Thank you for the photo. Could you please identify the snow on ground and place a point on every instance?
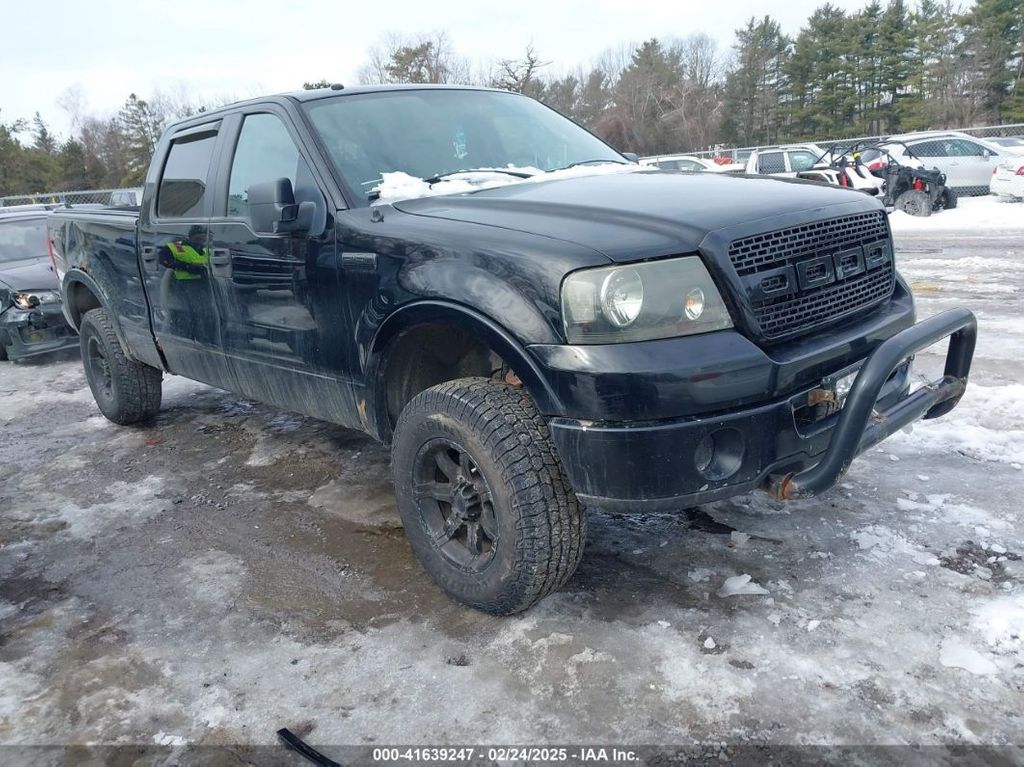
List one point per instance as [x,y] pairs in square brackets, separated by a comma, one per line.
[977,215]
[230,569]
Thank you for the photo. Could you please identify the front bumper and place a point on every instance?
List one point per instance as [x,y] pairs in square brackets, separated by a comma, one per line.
[27,333]
[674,463]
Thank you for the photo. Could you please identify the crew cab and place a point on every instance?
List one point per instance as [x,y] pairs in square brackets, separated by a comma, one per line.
[532,322]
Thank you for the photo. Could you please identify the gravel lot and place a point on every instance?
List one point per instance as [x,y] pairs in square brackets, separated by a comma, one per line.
[233,569]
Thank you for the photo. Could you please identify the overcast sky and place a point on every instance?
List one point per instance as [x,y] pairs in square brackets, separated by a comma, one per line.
[109,48]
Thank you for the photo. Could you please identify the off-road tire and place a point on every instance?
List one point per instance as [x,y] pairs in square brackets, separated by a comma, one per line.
[540,524]
[946,201]
[914,203]
[126,391]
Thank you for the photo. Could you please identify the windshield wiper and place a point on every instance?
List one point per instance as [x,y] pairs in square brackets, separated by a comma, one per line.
[442,176]
[589,162]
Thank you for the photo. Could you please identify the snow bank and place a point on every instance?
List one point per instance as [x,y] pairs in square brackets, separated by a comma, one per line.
[980,215]
[401,186]
[982,426]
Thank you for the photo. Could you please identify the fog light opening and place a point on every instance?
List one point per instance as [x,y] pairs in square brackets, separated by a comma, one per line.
[719,454]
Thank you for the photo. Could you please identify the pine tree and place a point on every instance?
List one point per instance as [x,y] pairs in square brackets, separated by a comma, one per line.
[140,127]
[11,154]
[756,98]
[822,94]
[42,138]
[895,43]
[77,169]
[993,37]
[648,99]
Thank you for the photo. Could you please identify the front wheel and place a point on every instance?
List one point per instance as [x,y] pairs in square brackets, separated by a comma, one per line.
[485,504]
[125,390]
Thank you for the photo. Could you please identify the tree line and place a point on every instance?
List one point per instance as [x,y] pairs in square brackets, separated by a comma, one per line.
[884,69]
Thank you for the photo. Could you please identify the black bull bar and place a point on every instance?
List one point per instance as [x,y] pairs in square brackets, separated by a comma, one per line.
[860,427]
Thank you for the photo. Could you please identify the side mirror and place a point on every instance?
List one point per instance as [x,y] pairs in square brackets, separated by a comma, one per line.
[631,156]
[272,208]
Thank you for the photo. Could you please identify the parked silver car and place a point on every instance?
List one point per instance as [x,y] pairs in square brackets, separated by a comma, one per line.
[967,161]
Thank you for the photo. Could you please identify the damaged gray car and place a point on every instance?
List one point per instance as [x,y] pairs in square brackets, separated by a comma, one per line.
[31,320]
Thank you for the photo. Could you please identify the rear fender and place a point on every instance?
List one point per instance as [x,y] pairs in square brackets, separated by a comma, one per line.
[76,280]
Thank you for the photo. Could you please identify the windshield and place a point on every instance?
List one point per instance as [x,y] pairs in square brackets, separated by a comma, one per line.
[429,133]
[22,239]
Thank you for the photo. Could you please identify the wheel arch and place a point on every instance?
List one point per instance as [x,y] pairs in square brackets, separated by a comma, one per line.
[80,294]
[396,355]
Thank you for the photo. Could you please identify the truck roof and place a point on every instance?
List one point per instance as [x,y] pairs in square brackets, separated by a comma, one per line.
[324,93]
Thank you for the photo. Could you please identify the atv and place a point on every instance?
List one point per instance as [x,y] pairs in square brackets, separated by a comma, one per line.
[908,185]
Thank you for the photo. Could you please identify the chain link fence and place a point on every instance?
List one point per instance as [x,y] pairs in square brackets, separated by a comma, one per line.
[119,198]
[740,154]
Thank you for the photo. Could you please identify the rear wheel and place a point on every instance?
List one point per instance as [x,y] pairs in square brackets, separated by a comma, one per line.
[485,504]
[125,390]
[946,201]
[915,203]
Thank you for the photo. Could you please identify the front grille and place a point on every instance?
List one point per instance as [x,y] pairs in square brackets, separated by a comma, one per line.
[804,277]
[824,305]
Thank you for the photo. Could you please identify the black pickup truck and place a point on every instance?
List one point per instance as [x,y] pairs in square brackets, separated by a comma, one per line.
[534,323]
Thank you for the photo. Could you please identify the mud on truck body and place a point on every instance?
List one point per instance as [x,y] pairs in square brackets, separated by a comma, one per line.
[532,322]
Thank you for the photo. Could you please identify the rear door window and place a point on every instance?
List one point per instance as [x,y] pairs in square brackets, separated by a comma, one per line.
[929,149]
[771,162]
[186,176]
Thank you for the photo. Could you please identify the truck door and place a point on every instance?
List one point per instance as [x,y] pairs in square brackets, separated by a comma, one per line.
[285,325]
[175,258]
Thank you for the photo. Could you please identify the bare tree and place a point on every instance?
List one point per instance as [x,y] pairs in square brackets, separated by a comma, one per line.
[702,63]
[614,61]
[426,58]
[517,75]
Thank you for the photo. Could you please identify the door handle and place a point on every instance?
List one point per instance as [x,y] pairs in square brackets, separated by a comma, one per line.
[220,262]
[148,253]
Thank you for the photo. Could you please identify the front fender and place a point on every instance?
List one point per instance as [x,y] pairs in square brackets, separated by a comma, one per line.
[480,326]
[493,287]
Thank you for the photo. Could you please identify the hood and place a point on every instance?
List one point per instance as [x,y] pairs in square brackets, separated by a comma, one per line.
[633,216]
[28,274]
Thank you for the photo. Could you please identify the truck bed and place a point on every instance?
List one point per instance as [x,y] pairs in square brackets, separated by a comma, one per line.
[102,242]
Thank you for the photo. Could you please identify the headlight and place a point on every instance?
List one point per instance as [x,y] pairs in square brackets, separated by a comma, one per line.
[641,302]
[34,299]
[622,297]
